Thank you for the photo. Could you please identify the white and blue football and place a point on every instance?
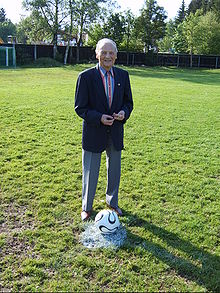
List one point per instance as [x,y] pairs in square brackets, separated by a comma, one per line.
[107,221]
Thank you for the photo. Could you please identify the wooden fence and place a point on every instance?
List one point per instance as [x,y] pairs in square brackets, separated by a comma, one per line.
[28,53]
[184,60]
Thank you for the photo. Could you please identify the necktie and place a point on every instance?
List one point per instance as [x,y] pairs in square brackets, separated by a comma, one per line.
[109,88]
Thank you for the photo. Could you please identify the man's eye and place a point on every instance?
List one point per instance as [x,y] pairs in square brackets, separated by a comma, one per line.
[111,53]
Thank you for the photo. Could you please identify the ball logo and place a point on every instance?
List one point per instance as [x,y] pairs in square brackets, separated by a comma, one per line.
[107,221]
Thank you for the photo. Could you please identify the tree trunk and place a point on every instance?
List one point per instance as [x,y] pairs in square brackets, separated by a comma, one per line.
[79,43]
[77,53]
[56,31]
[70,32]
[54,51]
[66,53]
[191,58]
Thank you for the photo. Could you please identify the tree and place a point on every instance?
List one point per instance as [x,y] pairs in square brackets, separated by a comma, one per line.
[2,15]
[129,21]
[53,12]
[181,14]
[69,28]
[118,26]
[194,5]
[85,14]
[114,28]
[207,31]
[190,32]
[173,39]
[95,33]
[33,29]
[179,40]
[151,24]
[204,5]
[167,44]
[198,34]
[215,7]
[7,28]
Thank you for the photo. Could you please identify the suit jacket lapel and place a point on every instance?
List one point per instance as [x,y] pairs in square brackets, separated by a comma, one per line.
[116,87]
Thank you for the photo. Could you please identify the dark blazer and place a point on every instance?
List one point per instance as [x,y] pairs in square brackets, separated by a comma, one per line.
[91,103]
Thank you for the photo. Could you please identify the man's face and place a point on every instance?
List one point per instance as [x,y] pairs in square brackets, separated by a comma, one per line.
[107,56]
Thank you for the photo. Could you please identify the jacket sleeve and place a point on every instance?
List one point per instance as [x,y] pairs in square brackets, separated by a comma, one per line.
[127,100]
[82,105]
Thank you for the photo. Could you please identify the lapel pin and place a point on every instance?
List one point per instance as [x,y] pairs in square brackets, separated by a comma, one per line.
[119,84]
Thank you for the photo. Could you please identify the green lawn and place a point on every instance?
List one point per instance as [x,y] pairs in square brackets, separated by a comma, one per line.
[169,188]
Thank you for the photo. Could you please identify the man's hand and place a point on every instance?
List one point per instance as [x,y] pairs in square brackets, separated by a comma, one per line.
[107,120]
[120,116]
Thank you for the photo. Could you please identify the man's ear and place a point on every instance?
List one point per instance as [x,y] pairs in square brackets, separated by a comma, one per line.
[97,55]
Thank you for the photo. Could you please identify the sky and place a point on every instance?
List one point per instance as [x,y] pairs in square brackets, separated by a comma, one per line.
[14,10]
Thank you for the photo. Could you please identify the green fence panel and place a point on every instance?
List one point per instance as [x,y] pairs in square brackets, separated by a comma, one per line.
[7,57]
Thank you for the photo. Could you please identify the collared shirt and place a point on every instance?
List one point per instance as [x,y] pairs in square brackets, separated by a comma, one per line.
[108,82]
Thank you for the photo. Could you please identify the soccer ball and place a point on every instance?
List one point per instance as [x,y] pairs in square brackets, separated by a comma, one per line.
[107,221]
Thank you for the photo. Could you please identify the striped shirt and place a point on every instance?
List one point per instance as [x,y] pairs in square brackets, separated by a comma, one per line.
[108,82]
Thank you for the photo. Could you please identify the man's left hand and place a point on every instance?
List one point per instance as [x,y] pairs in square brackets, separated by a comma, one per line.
[120,116]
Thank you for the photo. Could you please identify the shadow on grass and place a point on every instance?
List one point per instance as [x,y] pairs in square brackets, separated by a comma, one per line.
[195,75]
[205,272]
[199,76]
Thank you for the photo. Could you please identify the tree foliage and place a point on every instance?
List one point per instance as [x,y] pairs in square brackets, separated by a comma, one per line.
[181,14]
[95,33]
[2,15]
[196,30]
[132,33]
[151,24]
[206,36]
[129,24]
[190,31]
[117,26]
[85,14]
[204,5]
[52,11]
[198,34]
[216,8]
[179,40]
[7,28]
[167,43]
[33,29]
[197,5]
[114,28]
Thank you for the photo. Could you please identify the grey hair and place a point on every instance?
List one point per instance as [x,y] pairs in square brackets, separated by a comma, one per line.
[104,41]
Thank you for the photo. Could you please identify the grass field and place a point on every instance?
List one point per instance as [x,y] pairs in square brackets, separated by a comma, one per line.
[169,188]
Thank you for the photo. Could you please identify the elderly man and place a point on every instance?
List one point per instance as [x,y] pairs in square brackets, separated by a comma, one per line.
[104,101]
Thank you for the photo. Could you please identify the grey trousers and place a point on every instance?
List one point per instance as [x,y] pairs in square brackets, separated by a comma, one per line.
[91,165]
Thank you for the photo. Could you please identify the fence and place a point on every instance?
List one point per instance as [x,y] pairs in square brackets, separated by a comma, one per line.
[28,53]
[184,60]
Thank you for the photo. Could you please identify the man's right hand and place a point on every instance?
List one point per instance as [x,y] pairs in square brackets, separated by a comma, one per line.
[107,120]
